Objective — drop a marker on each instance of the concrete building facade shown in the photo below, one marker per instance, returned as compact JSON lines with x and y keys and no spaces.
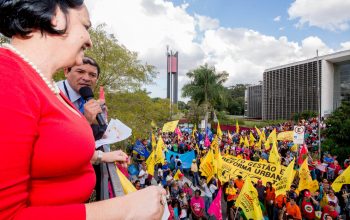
{"x":293,"y":88}
{"x":253,"y":102}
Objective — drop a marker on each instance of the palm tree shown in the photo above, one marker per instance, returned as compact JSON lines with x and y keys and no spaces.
{"x":206,"y":86}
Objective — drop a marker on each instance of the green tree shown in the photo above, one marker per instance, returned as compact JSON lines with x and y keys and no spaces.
{"x":121,"y":70}
{"x":195,"y":112}
{"x":182,"y":106}
{"x":137,"y":110}
{"x":236,"y":99}
{"x":338,"y":130}
{"x":4,"y":39}
{"x":206,"y":87}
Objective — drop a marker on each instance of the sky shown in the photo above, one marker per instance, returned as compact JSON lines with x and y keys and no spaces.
{"x":241,"y":37}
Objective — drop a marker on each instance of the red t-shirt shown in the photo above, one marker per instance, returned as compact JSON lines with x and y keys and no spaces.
{"x":307,"y":209}
{"x":45,"y":169}
{"x":326,"y":210}
{"x":197,"y":205}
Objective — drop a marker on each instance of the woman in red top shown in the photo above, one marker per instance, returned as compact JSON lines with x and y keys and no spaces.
{"x":46,"y":145}
{"x":269,"y":199}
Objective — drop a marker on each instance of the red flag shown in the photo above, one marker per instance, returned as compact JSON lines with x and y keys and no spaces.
{"x":215,"y":207}
{"x":122,"y":169}
{"x":178,"y":132}
{"x":206,"y":141}
{"x":302,"y":154}
{"x":102,"y":97}
{"x":102,"y":93}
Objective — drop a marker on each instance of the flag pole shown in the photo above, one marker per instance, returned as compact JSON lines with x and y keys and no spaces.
{"x":236,"y":213}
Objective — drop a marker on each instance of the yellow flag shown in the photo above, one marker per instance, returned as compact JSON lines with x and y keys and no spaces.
{"x":217,"y":157}
{"x":207,"y":165}
{"x":194,"y":131}
{"x":237,"y":127}
{"x":159,"y":155}
{"x":263,"y":136}
{"x":248,"y":201}
{"x":218,"y":131}
{"x":324,"y":201}
{"x":258,"y":145}
{"x":177,"y":174}
{"x":344,"y":178}
{"x":229,"y":136}
{"x":271,"y":139}
{"x":150,"y":162}
{"x":274,"y":156}
{"x":258,"y":131}
{"x":241,"y":140}
{"x":305,"y":181}
{"x":285,"y":136}
{"x":294,"y":148}
{"x":246,"y":142}
{"x":153,"y":124}
{"x":128,"y":187}
{"x":251,"y":139}
{"x":197,"y":149}
{"x":286,"y":180}
{"x":170,"y":126}
{"x":154,"y":142}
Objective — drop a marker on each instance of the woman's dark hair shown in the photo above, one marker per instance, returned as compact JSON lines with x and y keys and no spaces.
{"x":21,"y":17}
{"x":270,"y":185}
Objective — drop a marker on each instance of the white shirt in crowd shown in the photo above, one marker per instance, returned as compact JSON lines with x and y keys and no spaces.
{"x":143,"y":176}
{"x":169,"y":178}
{"x":160,"y":172}
{"x":208,"y":191}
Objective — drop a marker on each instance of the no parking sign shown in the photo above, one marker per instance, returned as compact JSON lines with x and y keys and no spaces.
{"x":298,"y":136}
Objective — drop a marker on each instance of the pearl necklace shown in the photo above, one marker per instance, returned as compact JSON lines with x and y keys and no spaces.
{"x":51,"y":84}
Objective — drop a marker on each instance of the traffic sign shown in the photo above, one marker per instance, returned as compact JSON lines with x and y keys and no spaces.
{"x":298,"y":136}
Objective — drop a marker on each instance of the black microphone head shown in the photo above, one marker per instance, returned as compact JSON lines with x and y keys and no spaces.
{"x":86,"y":92}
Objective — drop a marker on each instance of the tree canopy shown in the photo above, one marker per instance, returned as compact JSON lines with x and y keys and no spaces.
{"x":338,"y":130}
{"x":236,"y":99}
{"x":4,"y":39}
{"x":206,"y":86}
{"x":137,"y":110}
{"x":121,"y":70}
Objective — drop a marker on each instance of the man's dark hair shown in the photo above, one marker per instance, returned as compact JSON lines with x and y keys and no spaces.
{"x":90,"y":61}
{"x":198,"y":191}
{"x":21,"y":17}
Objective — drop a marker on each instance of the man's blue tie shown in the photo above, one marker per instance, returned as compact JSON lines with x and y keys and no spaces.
{"x":81,"y":105}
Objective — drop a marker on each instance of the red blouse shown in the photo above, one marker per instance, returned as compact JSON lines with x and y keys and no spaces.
{"x":45,"y":169}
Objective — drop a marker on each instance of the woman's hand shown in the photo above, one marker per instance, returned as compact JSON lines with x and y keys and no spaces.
{"x":116,"y":156}
{"x":147,"y":203}
{"x":142,"y":204}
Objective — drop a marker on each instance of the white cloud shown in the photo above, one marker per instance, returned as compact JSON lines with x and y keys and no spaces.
{"x":281,"y":29}
{"x":326,"y":14}
{"x":206,"y":23}
{"x":277,"y":19}
{"x":245,"y":53}
{"x":147,"y":26}
{"x":345,"y":45}
{"x":313,"y":43}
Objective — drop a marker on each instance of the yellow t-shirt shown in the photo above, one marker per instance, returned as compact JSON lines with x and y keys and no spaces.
{"x":231,"y":193}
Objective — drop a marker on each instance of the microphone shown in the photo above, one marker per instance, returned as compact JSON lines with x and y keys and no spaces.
{"x":87,"y":94}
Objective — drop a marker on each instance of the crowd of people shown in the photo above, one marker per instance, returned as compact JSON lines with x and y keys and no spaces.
{"x":194,"y":197}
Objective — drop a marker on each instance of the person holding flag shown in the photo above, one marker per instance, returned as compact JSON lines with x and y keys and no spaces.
{"x":248,"y":201}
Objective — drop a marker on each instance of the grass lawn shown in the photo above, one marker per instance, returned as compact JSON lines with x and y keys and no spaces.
{"x":231,"y":120}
